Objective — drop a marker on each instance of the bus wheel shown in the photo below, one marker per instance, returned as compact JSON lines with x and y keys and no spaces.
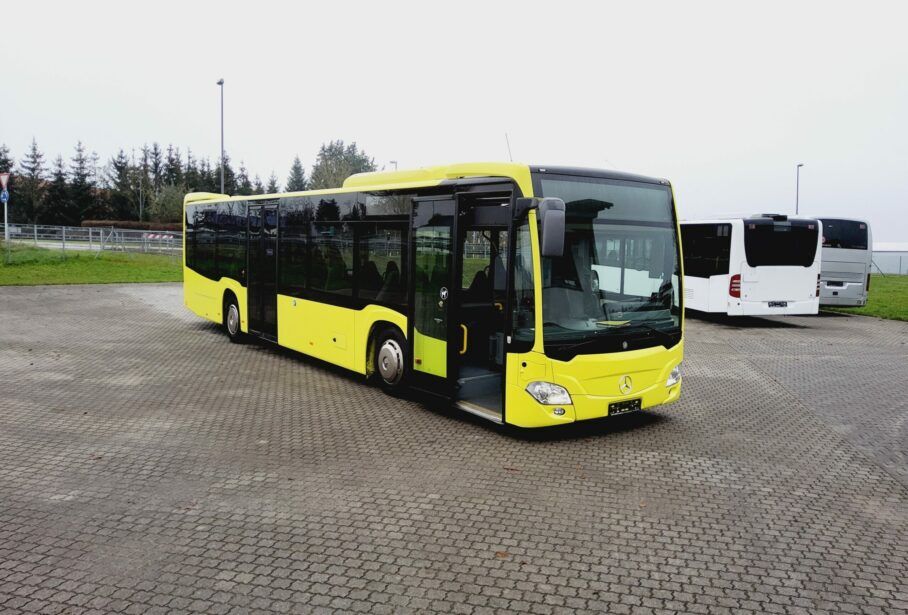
{"x":232,"y":319}
{"x":391,"y":363}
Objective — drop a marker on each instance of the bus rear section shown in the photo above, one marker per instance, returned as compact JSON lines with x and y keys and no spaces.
{"x":767,"y":265}
{"x":845,"y":272}
{"x":780,"y":271}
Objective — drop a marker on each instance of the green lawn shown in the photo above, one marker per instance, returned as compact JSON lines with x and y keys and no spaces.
{"x":32,"y":266}
{"x":888,"y":298}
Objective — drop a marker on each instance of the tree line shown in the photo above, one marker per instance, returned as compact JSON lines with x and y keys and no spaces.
{"x":149,"y":184}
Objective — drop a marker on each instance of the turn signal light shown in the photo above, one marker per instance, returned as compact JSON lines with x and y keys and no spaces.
{"x":734,"y":286}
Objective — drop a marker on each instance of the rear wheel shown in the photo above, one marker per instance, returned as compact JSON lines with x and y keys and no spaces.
{"x":232,"y":319}
{"x":392,"y":366}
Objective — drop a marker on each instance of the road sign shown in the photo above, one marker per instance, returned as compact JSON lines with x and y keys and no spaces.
{"x":4,"y":196}
{"x":4,"y":178}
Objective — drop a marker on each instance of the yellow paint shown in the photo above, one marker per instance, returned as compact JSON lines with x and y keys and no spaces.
{"x":466,"y":333}
{"x":206,"y":297}
{"x":430,"y":354}
{"x":520,"y":173}
{"x":612,"y":323}
{"x":335,"y":334}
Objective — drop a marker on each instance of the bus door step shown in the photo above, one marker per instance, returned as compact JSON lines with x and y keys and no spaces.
{"x":480,"y":411}
{"x":479,"y":385}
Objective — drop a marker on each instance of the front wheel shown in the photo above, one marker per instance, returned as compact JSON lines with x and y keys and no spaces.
{"x":392,"y":366}
{"x":232,"y":320}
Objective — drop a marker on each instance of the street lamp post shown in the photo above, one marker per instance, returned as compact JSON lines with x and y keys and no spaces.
{"x":798,"y":185}
{"x":221,"y":84}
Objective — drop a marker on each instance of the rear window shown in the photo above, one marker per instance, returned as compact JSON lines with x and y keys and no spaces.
{"x":847,"y":234}
{"x":777,"y":243}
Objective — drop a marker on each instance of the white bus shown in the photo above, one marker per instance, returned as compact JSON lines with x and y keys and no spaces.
{"x":847,"y":257}
{"x":763,"y":265}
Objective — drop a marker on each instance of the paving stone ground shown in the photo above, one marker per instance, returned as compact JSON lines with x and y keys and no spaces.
{"x":148,"y":465}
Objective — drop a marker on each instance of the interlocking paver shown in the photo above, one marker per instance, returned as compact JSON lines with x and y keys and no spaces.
{"x":148,"y":465}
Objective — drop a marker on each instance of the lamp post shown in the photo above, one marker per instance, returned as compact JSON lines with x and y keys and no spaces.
{"x":221,"y":84}
{"x":797,"y":185}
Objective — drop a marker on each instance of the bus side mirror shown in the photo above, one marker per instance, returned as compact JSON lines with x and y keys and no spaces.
{"x":551,"y":219}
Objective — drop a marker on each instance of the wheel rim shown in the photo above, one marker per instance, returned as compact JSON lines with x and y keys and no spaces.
{"x":391,"y":362}
{"x":233,"y":320}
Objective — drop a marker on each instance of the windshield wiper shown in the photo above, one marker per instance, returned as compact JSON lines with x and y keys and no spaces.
{"x":665,"y":336}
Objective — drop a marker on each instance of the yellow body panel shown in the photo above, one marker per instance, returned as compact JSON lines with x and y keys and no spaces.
{"x":331,"y":333}
{"x":206,"y":297}
{"x":430,"y":354}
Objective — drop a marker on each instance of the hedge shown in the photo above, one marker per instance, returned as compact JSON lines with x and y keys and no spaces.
{"x":135,"y":224}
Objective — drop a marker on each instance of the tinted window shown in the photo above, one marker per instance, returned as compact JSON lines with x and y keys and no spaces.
{"x":847,"y":234}
{"x":381,"y":270}
{"x":331,"y":258}
{"x":231,"y":240}
{"x":524,"y":298}
{"x":201,"y":240}
{"x":706,"y":249}
{"x":790,"y":243}
{"x":294,"y":229}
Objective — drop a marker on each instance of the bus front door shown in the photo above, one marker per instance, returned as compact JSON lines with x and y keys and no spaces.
{"x":432,"y":260}
{"x":480,"y":303}
{"x":262,"y":278}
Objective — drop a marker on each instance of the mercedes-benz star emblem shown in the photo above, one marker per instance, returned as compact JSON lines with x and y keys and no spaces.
{"x":443,"y":293}
{"x":625,"y":384}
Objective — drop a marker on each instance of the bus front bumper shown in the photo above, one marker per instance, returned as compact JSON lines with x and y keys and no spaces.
{"x":599,"y":385}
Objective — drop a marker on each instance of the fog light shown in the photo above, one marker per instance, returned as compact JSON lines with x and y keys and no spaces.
{"x":674,"y":377}
{"x":549,"y":394}
{"x":558,"y":411}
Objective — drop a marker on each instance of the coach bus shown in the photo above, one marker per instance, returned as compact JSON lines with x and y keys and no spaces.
{"x":531,"y":296}
{"x":762,"y":265}
{"x":847,"y":258}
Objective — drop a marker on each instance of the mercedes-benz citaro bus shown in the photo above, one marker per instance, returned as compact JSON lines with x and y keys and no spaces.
{"x":762,"y":265}
{"x":847,"y":258}
{"x":531,"y":296}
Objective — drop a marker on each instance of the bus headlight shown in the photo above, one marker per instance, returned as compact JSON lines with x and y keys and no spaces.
{"x":674,"y":377}
{"x":549,"y":394}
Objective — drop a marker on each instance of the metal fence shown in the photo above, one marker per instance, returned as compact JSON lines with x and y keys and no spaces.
{"x":97,"y":239}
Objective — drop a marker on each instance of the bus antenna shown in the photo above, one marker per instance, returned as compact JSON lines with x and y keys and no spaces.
{"x":508,"y":141}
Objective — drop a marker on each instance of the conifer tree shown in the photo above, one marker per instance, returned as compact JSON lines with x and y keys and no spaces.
{"x":273,"y":187}
{"x":243,"y":185}
{"x":56,"y":207}
{"x":31,"y":186}
{"x":173,"y":167}
{"x":81,"y":187}
{"x":257,"y":186}
{"x":296,"y":181}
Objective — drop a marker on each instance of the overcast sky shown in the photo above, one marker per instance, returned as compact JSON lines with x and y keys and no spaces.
{"x":720,"y":99}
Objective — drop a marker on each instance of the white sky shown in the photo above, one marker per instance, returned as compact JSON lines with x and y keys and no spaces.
{"x":721,"y":99}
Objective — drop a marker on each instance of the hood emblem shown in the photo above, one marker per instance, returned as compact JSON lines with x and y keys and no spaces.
{"x":625,"y":384}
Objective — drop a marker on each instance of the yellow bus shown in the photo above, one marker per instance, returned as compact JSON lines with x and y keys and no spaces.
{"x":526,"y":295}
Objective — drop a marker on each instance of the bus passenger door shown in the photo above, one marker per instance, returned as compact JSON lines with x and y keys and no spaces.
{"x":262,"y":283}
{"x":432,"y":260}
{"x":480,"y":302}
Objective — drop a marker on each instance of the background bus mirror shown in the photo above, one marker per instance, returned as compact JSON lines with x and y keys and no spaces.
{"x":551,"y":218}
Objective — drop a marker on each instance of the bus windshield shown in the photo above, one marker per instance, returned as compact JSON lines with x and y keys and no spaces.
{"x":773,"y":243}
{"x":845,"y":234}
{"x":617,"y":285}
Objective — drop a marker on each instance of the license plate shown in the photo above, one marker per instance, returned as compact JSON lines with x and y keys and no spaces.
{"x":623,"y":407}
{"x":778,"y":304}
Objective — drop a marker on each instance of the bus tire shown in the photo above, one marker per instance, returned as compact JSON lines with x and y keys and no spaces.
{"x":391,"y":361}
{"x":232,"y":319}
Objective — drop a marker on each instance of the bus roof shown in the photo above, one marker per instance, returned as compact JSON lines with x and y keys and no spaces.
{"x":435,"y":175}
